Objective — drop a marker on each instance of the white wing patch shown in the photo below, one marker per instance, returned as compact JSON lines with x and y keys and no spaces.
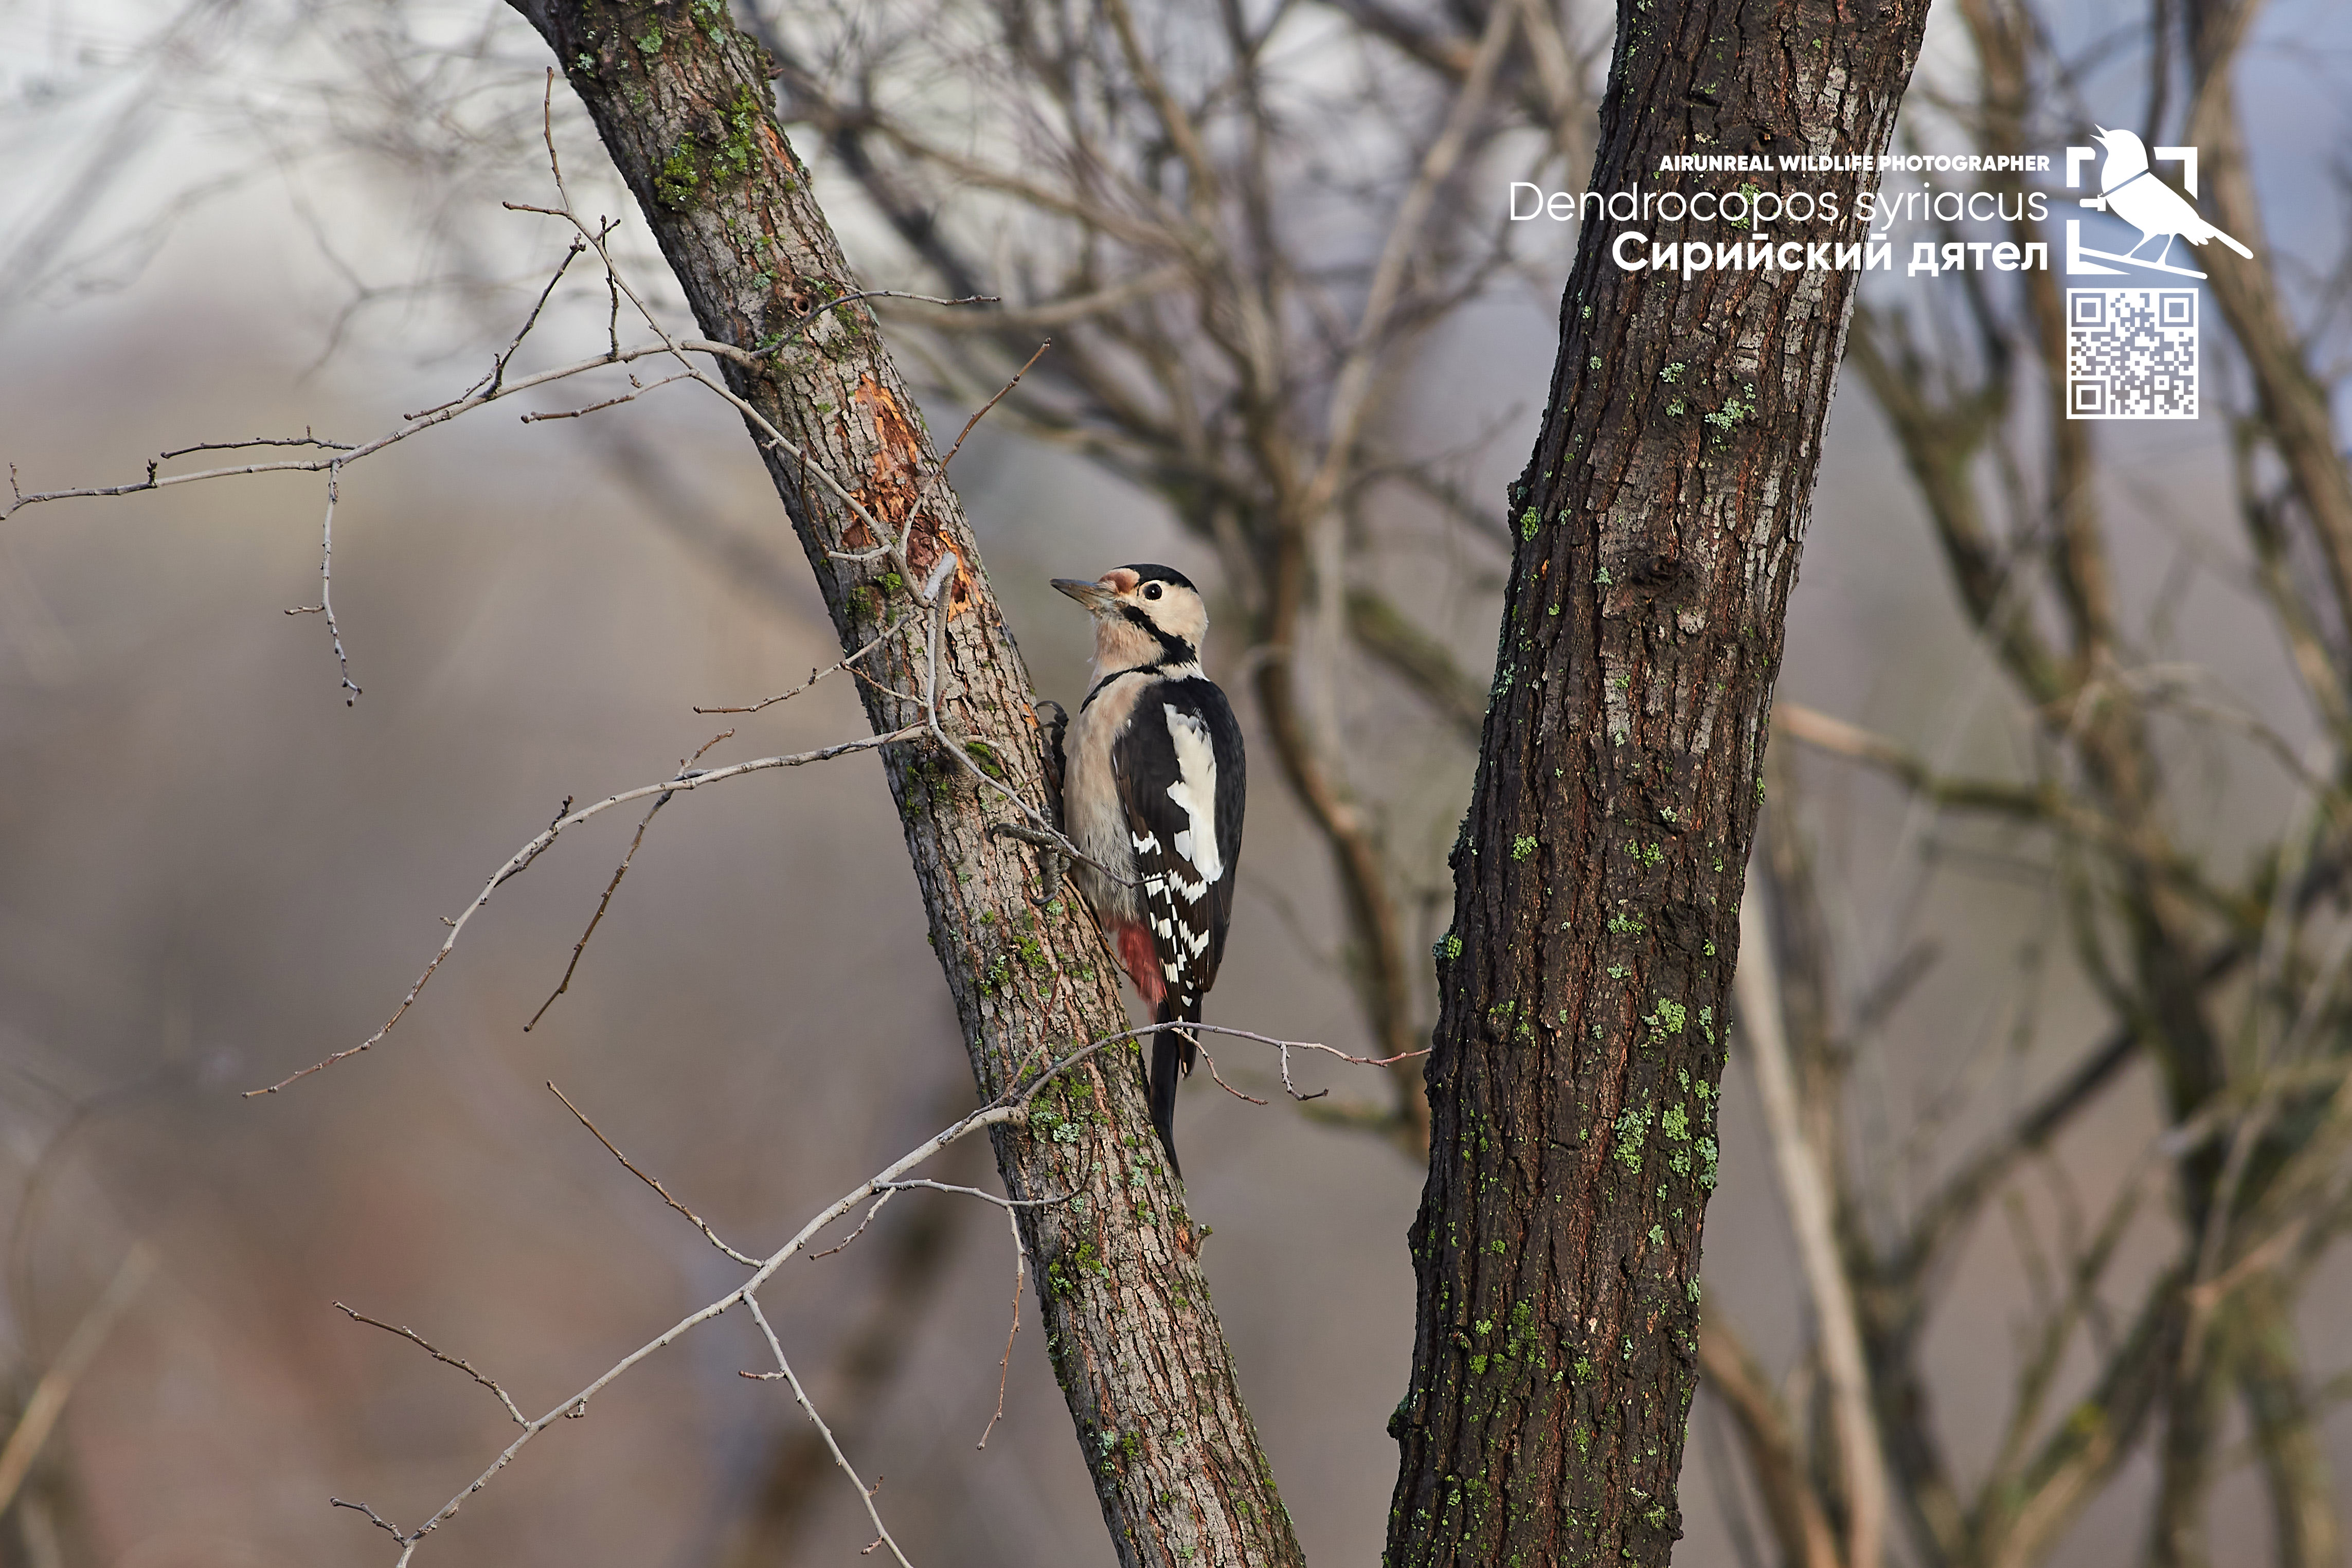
{"x":1195,"y":792}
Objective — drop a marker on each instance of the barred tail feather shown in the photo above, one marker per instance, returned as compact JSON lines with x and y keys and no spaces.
{"x":1171,"y":1048}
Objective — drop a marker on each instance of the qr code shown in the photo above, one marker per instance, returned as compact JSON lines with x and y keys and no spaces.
{"x":2131,"y":353}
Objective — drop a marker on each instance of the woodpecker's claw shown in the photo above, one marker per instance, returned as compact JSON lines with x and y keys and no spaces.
{"x":1056,"y":728}
{"x":1049,"y":857}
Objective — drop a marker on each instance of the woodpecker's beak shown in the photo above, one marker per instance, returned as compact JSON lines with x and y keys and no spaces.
{"x":1093,"y":595}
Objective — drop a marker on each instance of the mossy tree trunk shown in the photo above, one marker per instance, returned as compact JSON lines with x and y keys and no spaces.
{"x":681,"y":99}
{"x":1597,"y":880}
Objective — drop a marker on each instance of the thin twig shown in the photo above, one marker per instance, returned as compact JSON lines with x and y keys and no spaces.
{"x":601,"y":905}
{"x":844,"y":662}
{"x":326,"y":605}
{"x":498,"y":369}
{"x":1004,"y":1367}
{"x":940,"y":473}
{"x":346,"y":455}
{"x":858,"y":1232}
{"x":636,"y":389}
{"x":378,"y":1520}
{"x":460,"y":1362}
{"x":1221,"y":1077}
{"x":865,"y":1492}
{"x":696,"y":1220}
{"x":529,"y":851}
{"x":305,"y":439}
{"x":614,"y":886}
{"x":929,"y":1185}
{"x":1010,"y":1108}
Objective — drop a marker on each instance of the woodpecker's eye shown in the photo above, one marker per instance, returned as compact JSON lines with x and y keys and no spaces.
{"x":1150,"y":591}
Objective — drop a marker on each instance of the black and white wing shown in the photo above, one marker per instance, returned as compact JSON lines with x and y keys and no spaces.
{"x":1181,"y":782}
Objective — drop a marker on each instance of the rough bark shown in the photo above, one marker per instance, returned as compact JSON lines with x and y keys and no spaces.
{"x":1598,"y":875}
{"x":680,"y":98}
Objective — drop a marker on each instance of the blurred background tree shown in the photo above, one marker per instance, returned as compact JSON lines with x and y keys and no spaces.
{"x":2054,"y":863}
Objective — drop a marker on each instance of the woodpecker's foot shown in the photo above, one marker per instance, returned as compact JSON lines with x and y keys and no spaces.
{"x":1050,"y":859}
{"x":1056,"y":729}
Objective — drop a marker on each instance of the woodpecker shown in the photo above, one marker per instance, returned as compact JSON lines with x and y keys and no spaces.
{"x":1152,"y":786}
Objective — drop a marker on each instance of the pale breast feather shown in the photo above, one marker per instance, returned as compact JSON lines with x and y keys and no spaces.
{"x":1097,"y":815}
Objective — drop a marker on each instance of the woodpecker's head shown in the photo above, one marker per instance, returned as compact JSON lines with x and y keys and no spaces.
{"x":1143,"y":615}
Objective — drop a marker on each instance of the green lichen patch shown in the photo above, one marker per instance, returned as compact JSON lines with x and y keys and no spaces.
{"x":678,"y":179}
{"x":1633,"y":1129}
{"x":715,"y":156}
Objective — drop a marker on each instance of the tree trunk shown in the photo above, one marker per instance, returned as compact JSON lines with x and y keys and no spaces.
{"x":681,"y":99}
{"x":1597,"y":879}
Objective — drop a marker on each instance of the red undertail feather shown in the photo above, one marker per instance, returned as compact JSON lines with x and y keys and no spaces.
{"x":1141,"y":961}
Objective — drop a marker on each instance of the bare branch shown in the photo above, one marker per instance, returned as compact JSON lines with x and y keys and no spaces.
{"x":1809,"y":1205}
{"x":1004,"y":1367}
{"x":326,"y":605}
{"x":695,"y":1219}
{"x":1011,"y":1109}
{"x":1775,"y":1456}
{"x":842,"y":662}
{"x":784,"y":1370}
{"x":602,"y":905}
{"x":375,"y":1518}
{"x":446,"y":1360}
{"x":612,"y":887}
{"x":524,"y":857}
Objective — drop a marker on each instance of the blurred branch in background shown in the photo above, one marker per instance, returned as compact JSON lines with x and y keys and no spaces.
{"x":39,"y":1416}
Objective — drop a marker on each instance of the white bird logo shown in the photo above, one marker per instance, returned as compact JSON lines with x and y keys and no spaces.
{"x":2147,"y":204}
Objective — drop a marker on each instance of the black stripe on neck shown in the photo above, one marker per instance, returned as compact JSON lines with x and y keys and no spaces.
{"x":1180,"y":653}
